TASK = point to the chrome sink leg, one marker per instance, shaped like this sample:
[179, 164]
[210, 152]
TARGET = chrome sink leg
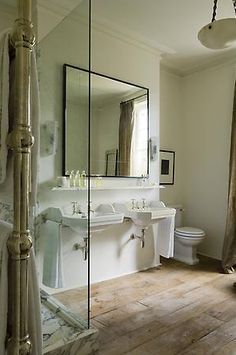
[85, 251]
[83, 247]
[140, 237]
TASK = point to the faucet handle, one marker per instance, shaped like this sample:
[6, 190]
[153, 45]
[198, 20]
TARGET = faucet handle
[144, 203]
[133, 203]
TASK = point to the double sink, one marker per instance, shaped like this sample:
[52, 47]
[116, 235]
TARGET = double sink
[106, 215]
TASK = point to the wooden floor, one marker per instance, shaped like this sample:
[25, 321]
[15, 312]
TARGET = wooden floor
[177, 309]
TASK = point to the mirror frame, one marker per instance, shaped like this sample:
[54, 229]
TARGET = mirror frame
[65, 66]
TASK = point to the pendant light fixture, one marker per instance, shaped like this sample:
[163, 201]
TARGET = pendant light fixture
[219, 34]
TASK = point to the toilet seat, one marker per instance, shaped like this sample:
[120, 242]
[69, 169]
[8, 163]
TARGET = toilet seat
[189, 232]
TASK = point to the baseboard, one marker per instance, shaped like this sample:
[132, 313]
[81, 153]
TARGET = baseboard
[127, 273]
[53, 291]
[208, 256]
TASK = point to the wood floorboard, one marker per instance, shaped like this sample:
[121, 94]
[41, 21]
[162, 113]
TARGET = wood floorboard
[177, 309]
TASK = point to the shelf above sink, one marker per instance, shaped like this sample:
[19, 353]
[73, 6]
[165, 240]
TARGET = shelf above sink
[101, 188]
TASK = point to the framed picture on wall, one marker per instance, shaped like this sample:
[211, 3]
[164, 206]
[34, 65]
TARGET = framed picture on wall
[167, 167]
[111, 162]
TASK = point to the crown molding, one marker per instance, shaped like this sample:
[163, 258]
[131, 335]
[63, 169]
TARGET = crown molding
[228, 58]
[170, 69]
[104, 26]
[213, 63]
[130, 37]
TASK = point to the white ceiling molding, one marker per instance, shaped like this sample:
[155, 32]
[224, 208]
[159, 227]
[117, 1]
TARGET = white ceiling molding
[130, 37]
[50, 16]
[217, 61]
[210, 63]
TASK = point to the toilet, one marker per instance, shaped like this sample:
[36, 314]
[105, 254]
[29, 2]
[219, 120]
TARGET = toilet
[186, 240]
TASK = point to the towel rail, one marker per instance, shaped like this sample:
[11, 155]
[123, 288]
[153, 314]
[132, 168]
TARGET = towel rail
[20, 141]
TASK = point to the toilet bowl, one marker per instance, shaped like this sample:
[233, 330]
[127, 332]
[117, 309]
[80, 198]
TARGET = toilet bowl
[186, 241]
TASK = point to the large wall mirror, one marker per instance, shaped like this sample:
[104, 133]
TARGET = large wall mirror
[119, 126]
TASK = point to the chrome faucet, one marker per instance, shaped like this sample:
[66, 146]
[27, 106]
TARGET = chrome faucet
[76, 209]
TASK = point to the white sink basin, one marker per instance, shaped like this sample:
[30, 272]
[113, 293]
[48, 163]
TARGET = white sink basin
[142, 218]
[103, 217]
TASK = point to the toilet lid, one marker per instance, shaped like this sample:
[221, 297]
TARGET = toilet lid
[194, 232]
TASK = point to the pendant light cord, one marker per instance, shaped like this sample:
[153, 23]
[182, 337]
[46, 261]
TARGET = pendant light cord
[234, 5]
[215, 10]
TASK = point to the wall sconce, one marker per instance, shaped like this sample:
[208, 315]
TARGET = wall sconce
[218, 34]
[153, 148]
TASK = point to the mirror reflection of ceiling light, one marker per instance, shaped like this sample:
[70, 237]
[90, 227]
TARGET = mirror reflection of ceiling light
[219, 34]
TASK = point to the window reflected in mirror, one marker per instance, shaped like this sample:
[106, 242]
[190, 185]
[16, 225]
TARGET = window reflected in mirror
[118, 128]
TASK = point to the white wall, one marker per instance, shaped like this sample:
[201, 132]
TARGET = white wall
[112, 254]
[196, 113]
[207, 103]
[171, 131]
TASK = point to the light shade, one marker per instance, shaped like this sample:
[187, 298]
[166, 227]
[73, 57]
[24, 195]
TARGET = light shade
[218, 34]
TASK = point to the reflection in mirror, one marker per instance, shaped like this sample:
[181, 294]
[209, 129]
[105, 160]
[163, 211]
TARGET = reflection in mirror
[119, 125]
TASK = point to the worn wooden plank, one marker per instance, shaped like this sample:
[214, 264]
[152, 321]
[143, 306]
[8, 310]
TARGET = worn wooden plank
[212, 342]
[228, 349]
[174, 341]
[179, 309]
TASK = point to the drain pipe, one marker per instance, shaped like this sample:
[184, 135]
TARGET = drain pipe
[140, 237]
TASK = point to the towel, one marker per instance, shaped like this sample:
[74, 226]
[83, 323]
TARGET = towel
[35, 328]
[166, 227]
[4, 97]
[165, 238]
[52, 263]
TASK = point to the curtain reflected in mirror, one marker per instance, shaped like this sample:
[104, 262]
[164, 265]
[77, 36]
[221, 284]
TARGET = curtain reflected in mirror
[118, 128]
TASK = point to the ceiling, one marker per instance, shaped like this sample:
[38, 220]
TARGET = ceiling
[166, 26]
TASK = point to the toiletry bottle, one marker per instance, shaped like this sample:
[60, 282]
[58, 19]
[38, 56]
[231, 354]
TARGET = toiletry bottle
[67, 179]
[77, 179]
[72, 178]
[83, 179]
